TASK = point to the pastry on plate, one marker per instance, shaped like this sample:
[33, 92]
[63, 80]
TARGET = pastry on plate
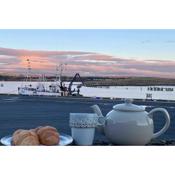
[36, 129]
[48, 135]
[25, 137]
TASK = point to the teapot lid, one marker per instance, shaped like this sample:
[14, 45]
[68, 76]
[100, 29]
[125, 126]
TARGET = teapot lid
[128, 106]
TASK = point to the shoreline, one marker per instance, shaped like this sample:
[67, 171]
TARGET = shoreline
[88, 98]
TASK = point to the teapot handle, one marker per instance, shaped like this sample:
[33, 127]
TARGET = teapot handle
[167, 124]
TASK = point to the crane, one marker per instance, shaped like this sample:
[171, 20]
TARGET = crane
[76, 76]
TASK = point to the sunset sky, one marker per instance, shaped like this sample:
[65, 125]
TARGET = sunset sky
[89, 52]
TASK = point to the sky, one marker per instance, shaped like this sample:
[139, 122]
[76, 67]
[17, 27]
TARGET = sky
[149, 53]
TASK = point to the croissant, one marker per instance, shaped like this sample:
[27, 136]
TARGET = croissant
[48, 135]
[24, 138]
[36, 129]
[15, 136]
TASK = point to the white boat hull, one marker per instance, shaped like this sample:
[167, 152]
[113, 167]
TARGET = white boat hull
[33, 93]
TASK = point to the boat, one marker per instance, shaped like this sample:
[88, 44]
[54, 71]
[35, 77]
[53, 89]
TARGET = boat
[55, 88]
[40, 90]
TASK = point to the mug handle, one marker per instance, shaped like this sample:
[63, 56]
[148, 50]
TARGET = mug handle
[167, 124]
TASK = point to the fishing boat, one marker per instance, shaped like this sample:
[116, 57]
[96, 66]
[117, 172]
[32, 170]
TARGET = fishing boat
[41, 90]
[54, 88]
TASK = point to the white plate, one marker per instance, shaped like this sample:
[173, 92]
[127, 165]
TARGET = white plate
[64, 140]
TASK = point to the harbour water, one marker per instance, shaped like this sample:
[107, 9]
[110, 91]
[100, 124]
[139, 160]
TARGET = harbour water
[29, 112]
[135, 92]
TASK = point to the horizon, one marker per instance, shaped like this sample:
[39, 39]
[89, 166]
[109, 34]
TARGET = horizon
[65, 76]
[100, 53]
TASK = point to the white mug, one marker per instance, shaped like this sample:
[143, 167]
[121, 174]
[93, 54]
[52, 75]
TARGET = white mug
[83, 127]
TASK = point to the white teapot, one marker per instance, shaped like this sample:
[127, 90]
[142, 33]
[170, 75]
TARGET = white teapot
[129, 124]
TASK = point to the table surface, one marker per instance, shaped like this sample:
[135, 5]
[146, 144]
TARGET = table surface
[19, 112]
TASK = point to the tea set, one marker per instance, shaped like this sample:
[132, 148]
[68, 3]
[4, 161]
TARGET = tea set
[125, 124]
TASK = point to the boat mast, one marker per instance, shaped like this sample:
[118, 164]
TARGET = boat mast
[57, 74]
[28, 70]
[59, 71]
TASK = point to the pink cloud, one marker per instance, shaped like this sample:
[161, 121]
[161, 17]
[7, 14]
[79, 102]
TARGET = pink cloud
[86, 63]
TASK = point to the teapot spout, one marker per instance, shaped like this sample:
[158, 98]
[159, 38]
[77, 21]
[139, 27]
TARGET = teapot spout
[97, 110]
[101, 119]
